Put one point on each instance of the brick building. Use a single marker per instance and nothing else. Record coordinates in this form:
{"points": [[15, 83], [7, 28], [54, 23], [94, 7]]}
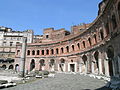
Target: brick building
{"points": [[89, 48], [8, 41]]}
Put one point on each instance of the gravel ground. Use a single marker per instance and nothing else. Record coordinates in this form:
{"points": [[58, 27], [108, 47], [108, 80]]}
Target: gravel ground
{"points": [[63, 82]]}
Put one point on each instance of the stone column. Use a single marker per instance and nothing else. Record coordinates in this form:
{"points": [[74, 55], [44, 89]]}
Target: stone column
{"points": [[100, 66], [93, 69], [23, 56], [100, 63], [86, 67], [80, 68]]}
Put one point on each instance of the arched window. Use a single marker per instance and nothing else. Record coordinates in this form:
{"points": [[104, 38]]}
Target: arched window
{"points": [[107, 28], [33, 52], [18, 52], [28, 52], [114, 23], [84, 44], [67, 49], [89, 39], [52, 51], [62, 50], [10, 67], [101, 34], [47, 52], [119, 9], [78, 45], [57, 51], [38, 52], [95, 38], [42, 52], [73, 48]]}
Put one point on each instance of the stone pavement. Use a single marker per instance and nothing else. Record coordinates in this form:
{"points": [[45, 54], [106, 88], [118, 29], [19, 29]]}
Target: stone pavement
{"points": [[62, 82]]}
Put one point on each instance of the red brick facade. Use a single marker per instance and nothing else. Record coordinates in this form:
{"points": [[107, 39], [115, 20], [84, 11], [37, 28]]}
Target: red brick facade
{"points": [[92, 48]]}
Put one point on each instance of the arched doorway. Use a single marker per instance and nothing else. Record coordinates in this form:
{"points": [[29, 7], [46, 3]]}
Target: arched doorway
{"points": [[110, 55], [42, 64], [62, 65], [84, 64], [16, 67], [4, 67], [52, 65], [32, 64], [10, 67], [96, 64]]}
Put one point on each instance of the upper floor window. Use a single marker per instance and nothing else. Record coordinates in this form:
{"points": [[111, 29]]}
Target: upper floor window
{"points": [[18, 51], [89, 39], [57, 51], [42, 52], [4, 43], [67, 49], [78, 45], [62, 50], [52, 51], [47, 52], [73, 48], [84, 44], [95, 38], [47, 36], [33, 52], [11, 43], [101, 34], [38, 52], [28, 52]]}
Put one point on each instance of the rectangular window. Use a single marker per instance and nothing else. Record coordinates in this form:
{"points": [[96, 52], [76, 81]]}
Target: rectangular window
{"points": [[11, 43]]}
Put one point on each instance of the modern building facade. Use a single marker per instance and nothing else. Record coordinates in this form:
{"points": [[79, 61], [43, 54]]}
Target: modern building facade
{"points": [[8, 41], [89, 48]]}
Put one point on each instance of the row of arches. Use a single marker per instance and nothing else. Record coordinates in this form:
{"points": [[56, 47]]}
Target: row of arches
{"points": [[4, 67], [42, 64], [62, 50]]}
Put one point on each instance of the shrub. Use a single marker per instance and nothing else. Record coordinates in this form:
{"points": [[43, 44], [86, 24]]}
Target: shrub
{"points": [[45, 72]]}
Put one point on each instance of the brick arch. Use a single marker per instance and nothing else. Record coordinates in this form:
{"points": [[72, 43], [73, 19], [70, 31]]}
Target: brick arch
{"points": [[28, 52], [95, 38], [84, 44], [67, 49], [110, 55], [11, 67], [47, 51], [42, 64], [62, 60], [38, 52], [32, 64], [101, 34], [62, 50], [84, 58], [90, 41], [73, 47], [52, 51], [52, 64], [78, 45], [33, 52]]}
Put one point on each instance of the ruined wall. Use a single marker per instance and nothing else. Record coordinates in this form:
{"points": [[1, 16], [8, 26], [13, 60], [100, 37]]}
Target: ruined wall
{"points": [[95, 50]]}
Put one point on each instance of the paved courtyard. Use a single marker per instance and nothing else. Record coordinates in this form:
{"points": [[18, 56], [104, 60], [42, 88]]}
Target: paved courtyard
{"points": [[62, 82]]}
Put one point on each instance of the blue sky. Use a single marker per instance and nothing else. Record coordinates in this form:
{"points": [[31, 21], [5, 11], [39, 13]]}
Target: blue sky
{"points": [[40, 14]]}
